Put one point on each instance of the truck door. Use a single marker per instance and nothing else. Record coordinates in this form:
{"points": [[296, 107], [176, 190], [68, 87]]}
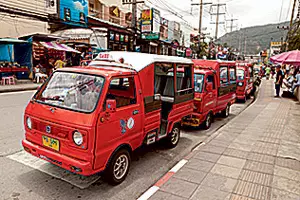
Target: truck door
{"points": [[124, 125], [210, 98]]}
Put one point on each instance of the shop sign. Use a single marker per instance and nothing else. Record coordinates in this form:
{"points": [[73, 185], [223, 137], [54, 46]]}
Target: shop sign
{"points": [[146, 28], [126, 38], [111, 36], [117, 37], [114, 11], [122, 38], [156, 21], [51, 6], [150, 36], [73, 11], [147, 15]]}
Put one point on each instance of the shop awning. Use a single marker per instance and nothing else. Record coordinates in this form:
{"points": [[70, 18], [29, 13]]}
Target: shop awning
{"points": [[58, 47]]}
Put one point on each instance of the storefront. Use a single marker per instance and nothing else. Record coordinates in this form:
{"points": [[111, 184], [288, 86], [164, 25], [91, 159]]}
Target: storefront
{"points": [[118, 41], [118, 38]]}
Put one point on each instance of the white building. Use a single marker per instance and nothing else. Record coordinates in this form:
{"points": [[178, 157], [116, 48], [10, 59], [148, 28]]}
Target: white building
{"points": [[15, 26]]}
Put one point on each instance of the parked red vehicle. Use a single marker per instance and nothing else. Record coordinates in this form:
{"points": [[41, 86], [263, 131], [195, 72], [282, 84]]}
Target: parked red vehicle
{"points": [[215, 91], [245, 79], [89, 119]]}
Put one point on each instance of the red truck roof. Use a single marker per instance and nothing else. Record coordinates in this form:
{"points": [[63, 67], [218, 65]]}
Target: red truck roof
{"points": [[212, 64]]}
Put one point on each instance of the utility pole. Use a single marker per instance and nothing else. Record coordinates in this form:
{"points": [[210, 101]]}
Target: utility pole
{"points": [[231, 25], [134, 17], [200, 20], [217, 18], [293, 11]]}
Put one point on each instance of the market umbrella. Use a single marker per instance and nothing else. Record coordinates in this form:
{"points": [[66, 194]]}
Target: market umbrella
{"points": [[291, 57]]}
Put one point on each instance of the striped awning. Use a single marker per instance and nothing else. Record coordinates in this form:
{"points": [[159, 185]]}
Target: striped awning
{"points": [[58, 47]]}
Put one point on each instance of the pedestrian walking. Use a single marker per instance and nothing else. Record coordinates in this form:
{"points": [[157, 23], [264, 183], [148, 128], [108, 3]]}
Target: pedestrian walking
{"points": [[279, 80]]}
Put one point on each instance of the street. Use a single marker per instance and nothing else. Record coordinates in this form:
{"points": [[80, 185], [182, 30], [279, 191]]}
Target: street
{"points": [[19, 181]]}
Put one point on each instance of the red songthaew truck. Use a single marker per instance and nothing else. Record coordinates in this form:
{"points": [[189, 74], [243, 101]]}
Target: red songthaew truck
{"points": [[89, 119], [215, 91], [245, 80]]}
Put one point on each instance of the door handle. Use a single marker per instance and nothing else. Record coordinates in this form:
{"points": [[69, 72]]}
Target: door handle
{"points": [[135, 112]]}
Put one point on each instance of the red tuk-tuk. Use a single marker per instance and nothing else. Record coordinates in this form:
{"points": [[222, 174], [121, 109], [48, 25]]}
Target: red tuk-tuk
{"points": [[89, 119], [215, 91], [245, 79]]}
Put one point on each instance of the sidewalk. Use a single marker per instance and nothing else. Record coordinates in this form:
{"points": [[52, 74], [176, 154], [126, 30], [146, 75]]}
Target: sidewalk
{"points": [[20, 86], [256, 156]]}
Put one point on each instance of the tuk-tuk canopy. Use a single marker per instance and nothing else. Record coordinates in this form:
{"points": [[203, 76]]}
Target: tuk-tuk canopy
{"points": [[139, 61]]}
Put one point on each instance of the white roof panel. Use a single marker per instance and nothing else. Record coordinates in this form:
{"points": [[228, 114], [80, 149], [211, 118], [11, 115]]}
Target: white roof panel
{"points": [[138, 61]]}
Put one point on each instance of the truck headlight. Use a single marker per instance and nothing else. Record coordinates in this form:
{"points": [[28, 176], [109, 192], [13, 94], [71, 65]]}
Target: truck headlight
{"points": [[29, 123], [77, 138], [240, 84]]}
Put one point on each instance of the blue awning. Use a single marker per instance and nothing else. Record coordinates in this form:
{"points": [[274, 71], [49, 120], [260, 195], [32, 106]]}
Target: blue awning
{"points": [[11, 41]]}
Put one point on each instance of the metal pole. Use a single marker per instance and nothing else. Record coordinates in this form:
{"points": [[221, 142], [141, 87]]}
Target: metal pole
{"points": [[292, 17], [200, 26], [133, 22], [217, 22]]}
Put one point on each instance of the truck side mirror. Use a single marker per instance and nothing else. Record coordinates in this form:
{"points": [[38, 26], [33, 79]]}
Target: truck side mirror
{"points": [[209, 87], [111, 105]]}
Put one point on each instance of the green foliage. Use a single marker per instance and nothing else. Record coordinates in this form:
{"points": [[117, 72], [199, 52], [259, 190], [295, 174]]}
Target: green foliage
{"points": [[257, 38]]}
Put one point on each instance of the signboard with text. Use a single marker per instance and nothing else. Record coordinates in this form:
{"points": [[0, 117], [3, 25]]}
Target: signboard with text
{"points": [[74, 11]]}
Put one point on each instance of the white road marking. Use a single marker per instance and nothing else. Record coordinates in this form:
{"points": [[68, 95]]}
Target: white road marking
{"points": [[178, 166], [19, 92], [149, 193], [79, 181]]}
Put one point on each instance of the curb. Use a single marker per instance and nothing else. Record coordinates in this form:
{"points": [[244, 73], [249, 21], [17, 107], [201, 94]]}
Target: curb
{"points": [[10, 90], [153, 189]]}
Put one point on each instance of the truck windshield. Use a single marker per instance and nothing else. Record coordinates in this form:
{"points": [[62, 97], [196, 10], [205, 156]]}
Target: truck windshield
{"points": [[75, 91], [198, 82], [240, 74]]}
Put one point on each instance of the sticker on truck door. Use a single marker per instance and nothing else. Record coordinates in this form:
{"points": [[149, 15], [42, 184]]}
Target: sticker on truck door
{"points": [[130, 123]]}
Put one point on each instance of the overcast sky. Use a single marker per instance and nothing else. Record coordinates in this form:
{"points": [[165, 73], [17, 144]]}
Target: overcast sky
{"points": [[249, 12]]}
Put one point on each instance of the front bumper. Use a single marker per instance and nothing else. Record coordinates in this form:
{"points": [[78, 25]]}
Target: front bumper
{"points": [[194, 120], [74, 165]]}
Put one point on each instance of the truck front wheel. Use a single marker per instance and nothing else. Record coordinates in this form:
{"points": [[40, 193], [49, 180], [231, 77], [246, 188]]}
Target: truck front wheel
{"points": [[118, 167], [226, 111], [173, 138], [207, 123]]}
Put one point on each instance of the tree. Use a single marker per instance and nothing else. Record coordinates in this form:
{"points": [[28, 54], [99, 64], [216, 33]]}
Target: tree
{"points": [[294, 37]]}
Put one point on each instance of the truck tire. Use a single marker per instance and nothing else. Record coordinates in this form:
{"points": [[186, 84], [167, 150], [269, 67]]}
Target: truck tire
{"points": [[173, 138], [207, 123], [118, 167], [226, 111]]}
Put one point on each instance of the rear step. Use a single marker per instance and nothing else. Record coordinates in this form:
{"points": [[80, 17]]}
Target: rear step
{"points": [[163, 129]]}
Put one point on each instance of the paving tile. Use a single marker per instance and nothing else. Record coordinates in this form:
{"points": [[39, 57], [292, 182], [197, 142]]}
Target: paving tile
{"points": [[190, 175], [199, 165], [290, 151], [252, 190], [256, 177], [220, 143], [265, 150], [261, 158], [227, 171], [206, 193], [213, 149], [270, 140], [238, 197], [240, 146], [288, 163], [283, 195], [179, 187], [219, 182], [211, 157], [287, 173], [286, 184], [236, 153], [258, 167], [159, 195], [231, 161], [266, 145]]}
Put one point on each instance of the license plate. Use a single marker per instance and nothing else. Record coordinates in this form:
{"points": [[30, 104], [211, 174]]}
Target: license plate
{"points": [[51, 143]]}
